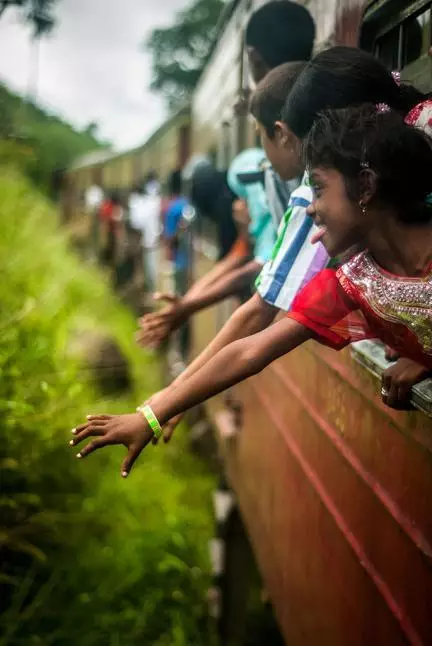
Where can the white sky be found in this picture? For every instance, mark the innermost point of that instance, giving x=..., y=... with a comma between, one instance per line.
x=92, y=68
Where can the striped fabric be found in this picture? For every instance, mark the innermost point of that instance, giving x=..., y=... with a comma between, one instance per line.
x=278, y=194
x=295, y=259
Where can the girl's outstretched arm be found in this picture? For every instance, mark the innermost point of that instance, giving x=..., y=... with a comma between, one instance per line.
x=234, y=363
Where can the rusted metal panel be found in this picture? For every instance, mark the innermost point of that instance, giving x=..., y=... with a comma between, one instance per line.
x=335, y=491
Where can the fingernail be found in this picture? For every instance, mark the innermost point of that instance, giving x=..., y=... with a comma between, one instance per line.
x=79, y=456
x=124, y=474
x=88, y=416
x=73, y=431
x=71, y=443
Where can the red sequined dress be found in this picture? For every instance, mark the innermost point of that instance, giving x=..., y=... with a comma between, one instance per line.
x=360, y=300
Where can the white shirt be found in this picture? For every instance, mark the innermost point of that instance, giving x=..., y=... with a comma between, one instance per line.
x=144, y=215
x=93, y=197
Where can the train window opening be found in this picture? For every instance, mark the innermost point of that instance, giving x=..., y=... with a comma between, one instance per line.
x=387, y=49
x=407, y=41
x=416, y=37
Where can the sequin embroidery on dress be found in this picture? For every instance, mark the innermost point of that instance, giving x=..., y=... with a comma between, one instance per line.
x=407, y=301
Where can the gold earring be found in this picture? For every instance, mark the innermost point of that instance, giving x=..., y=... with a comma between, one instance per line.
x=362, y=206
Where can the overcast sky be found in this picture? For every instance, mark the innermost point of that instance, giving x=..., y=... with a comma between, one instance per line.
x=92, y=67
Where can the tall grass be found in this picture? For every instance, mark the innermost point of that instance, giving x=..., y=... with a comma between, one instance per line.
x=86, y=558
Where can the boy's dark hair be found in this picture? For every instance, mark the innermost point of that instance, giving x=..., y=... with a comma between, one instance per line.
x=353, y=140
x=340, y=77
x=151, y=176
x=281, y=31
x=271, y=93
x=175, y=182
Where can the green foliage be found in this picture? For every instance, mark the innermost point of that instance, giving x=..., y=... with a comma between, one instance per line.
x=54, y=142
x=39, y=13
x=87, y=558
x=181, y=51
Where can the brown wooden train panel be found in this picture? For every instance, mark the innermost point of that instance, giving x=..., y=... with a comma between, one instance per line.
x=334, y=491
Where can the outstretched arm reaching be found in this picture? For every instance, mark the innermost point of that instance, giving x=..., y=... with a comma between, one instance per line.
x=233, y=364
x=251, y=317
x=155, y=327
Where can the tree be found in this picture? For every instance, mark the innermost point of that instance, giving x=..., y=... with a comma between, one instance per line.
x=181, y=51
x=39, y=13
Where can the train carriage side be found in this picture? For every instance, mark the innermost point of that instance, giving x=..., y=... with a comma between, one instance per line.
x=166, y=149
x=333, y=487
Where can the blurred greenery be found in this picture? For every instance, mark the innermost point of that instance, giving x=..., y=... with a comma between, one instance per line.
x=181, y=50
x=87, y=558
x=52, y=142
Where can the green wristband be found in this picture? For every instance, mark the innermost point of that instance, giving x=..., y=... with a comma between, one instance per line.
x=152, y=420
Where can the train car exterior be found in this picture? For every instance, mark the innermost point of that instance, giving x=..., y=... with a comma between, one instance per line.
x=333, y=487
x=166, y=149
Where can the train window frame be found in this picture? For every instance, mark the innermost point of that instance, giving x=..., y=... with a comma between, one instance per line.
x=378, y=23
x=371, y=356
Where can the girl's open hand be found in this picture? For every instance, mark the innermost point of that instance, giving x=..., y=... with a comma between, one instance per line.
x=130, y=430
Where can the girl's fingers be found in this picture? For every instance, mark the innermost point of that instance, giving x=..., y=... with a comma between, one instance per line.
x=94, y=446
x=79, y=428
x=168, y=432
x=92, y=418
x=404, y=391
x=129, y=460
x=392, y=397
x=386, y=382
x=90, y=431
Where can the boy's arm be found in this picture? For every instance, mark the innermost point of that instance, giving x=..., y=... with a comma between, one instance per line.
x=159, y=325
x=222, y=267
x=251, y=317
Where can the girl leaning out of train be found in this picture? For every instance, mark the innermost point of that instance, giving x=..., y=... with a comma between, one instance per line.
x=371, y=176
x=336, y=78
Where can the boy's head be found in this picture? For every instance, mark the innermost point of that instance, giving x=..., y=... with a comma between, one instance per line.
x=281, y=146
x=366, y=168
x=278, y=32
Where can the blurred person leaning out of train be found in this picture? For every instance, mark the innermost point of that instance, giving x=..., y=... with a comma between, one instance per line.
x=144, y=217
x=93, y=198
x=245, y=178
x=372, y=185
x=111, y=212
x=338, y=77
x=175, y=245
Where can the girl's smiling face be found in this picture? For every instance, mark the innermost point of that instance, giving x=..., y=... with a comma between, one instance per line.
x=340, y=220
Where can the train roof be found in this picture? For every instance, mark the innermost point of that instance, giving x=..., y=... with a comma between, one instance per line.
x=101, y=156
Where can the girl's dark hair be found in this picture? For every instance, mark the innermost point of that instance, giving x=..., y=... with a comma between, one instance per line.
x=341, y=77
x=269, y=97
x=281, y=31
x=354, y=139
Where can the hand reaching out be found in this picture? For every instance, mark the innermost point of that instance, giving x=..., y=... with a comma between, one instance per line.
x=132, y=431
x=156, y=327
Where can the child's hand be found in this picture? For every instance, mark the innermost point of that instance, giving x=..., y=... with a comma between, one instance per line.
x=152, y=333
x=169, y=428
x=156, y=327
x=398, y=380
x=130, y=430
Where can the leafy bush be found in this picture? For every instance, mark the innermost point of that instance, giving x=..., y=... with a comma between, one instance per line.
x=87, y=558
x=54, y=143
